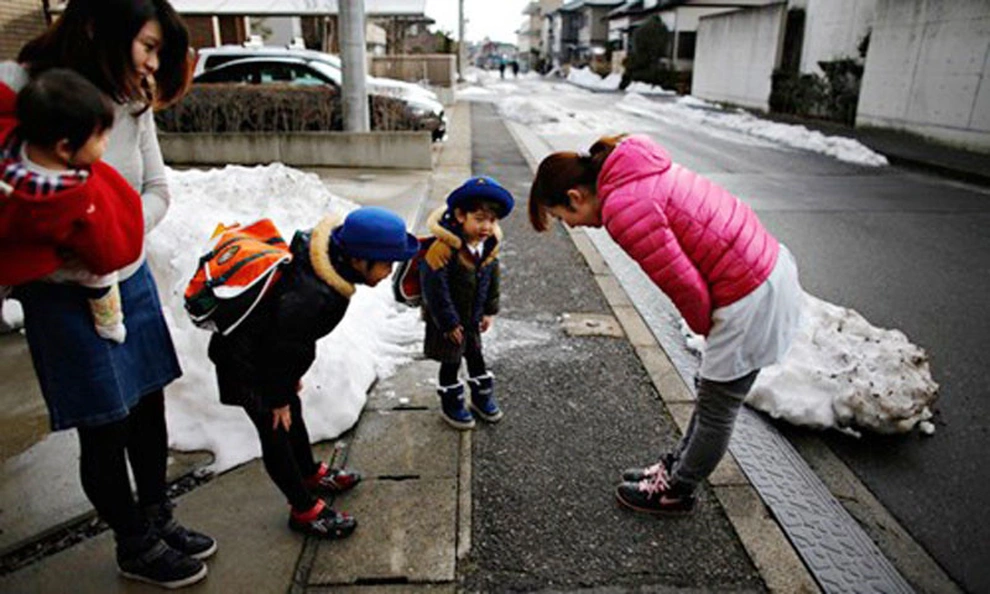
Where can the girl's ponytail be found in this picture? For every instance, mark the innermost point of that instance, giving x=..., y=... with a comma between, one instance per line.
x=602, y=148
x=562, y=171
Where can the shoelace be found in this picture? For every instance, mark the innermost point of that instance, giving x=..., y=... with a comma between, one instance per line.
x=655, y=483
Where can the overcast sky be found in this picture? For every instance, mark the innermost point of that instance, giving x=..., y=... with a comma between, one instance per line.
x=496, y=19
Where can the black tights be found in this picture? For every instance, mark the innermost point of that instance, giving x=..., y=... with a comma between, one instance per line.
x=287, y=455
x=142, y=438
x=475, y=364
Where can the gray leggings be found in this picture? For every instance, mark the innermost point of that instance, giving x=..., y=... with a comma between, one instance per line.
x=707, y=437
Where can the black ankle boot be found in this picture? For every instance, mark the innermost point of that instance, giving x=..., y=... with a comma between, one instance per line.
x=189, y=542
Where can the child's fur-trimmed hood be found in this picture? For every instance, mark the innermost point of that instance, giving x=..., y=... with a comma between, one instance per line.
x=319, y=256
x=449, y=242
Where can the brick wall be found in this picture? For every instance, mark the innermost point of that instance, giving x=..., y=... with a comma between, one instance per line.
x=20, y=21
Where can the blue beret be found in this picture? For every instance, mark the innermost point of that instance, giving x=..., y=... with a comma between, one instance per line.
x=374, y=233
x=485, y=188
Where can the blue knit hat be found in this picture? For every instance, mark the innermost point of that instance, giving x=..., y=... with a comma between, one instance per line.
x=374, y=233
x=485, y=188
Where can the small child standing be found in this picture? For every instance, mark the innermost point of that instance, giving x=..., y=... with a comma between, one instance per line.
x=65, y=216
x=726, y=274
x=260, y=365
x=460, y=295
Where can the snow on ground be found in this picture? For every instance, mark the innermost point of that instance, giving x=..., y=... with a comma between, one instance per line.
x=374, y=337
x=841, y=372
x=693, y=110
x=687, y=110
x=588, y=79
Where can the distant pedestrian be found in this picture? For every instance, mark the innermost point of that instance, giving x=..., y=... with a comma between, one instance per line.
x=66, y=216
x=515, y=68
x=501, y=68
x=460, y=281
x=726, y=274
x=259, y=365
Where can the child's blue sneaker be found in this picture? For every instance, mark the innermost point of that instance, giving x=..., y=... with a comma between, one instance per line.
x=452, y=407
x=483, y=397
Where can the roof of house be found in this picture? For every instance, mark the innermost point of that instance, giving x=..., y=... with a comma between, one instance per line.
x=287, y=7
x=578, y=4
x=630, y=7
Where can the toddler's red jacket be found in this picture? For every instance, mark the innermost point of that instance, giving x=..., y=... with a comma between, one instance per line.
x=96, y=218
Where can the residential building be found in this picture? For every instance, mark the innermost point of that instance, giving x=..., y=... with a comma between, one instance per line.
x=218, y=22
x=20, y=22
x=580, y=31
x=680, y=17
x=528, y=36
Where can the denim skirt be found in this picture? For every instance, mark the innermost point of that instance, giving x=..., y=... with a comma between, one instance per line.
x=87, y=380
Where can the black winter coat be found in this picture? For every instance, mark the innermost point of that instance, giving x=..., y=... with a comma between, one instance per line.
x=261, y=362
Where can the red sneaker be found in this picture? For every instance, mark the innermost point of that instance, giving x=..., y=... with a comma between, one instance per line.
x=332, y=481
x=322, y=522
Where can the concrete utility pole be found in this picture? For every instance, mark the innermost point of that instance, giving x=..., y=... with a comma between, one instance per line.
x=460, y=41
x=355, y=65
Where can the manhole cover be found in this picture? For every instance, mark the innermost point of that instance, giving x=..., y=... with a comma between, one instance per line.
x=588, y=324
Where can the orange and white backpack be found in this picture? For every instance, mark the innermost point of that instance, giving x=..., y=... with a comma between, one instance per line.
x=232, y=277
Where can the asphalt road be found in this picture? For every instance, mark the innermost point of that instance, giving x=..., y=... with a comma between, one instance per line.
x=908, y=251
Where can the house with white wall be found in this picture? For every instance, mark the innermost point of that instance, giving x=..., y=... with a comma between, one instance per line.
x=928, y=71
x=681, y=17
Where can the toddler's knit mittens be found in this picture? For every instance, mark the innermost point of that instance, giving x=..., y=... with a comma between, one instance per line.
x=108, y=315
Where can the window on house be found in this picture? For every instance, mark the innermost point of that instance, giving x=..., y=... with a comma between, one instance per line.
x=685, y=45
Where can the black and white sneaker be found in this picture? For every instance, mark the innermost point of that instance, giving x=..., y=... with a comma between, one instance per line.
x=163, y=566
x=323, y=522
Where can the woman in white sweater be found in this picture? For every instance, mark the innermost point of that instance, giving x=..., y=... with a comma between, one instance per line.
x=135, y=51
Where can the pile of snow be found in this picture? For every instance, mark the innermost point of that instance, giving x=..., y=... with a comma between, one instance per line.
x=374, y=337
x=841, y=372
x=588, y=79
x=692, y=110
x=585, y=77
x=640, y=88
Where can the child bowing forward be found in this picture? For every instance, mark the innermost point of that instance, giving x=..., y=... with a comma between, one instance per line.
x=260, y=364
x=460, y=295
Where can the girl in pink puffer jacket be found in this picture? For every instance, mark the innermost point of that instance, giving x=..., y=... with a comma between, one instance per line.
x=733, y=282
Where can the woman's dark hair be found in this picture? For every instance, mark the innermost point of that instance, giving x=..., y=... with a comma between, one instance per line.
x=95, y=38
x=563, y=171
x=61, y=104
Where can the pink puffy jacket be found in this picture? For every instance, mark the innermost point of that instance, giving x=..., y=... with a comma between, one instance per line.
x=700, y=244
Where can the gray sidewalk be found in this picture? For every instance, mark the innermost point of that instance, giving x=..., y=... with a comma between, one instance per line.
x=407, y=507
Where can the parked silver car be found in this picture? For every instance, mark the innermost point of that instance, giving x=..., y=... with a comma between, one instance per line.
x=212, y=57
x=423, y=113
